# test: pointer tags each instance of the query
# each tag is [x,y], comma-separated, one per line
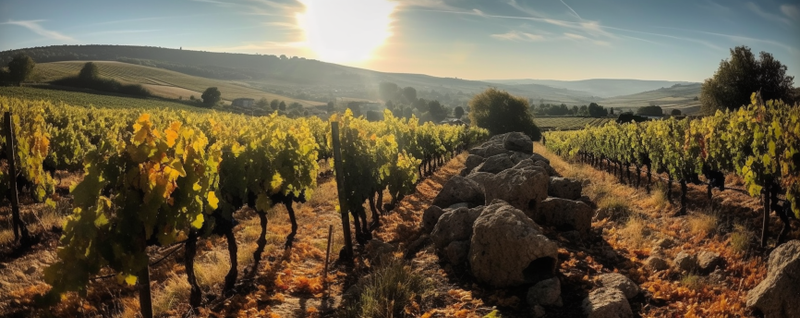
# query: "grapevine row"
[759,142]
[165,176]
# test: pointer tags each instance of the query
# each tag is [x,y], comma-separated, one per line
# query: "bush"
[500,112]
[650,111]
[211,96]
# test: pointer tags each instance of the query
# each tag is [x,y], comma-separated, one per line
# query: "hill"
[677,96]
[161,82]
[290,76]
[599,87]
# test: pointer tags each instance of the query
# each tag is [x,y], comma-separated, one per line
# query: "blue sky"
[472,39]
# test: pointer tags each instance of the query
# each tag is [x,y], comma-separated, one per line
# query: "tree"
[282,106]
[675,112]
[263,103]
[653,110]
[597,110]
[20,68]
[388,91]
[410,95]
[437,111]
[211,96]
[740,76]
[331,108]
[89,72]
[274,104]
[421,105]
[458,112]
[500,112]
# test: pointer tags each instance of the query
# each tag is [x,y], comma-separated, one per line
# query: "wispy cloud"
[36,27]
[766,15]
[520,36]
[740,39]
[791,11]
[681,38]
[570,9]
[713,6]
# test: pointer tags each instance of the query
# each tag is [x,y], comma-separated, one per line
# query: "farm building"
[243,102]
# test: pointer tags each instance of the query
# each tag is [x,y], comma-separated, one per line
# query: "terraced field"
[161,82]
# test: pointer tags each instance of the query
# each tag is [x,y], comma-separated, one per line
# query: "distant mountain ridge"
[599,87]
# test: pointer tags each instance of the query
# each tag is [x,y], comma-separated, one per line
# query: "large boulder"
[480,178]
[518,141]
[454,225]
[564,214]
[564,188]
[495,164]
[508,249]
[546,166]
[776,296]
[471,162]
[538,157]
[456,252]
[430,217]
[517,156]
[607,302]
[545,293]
[488,149]
[523,189]
[621,282]
[459,189]
[656,263]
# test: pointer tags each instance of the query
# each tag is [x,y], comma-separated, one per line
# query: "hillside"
[677,96]
[298,77]
[603,88]
[161,82]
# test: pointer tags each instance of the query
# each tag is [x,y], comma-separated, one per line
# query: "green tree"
[500,112]
[388,91]
[410,95]
[211,96]
[282,106]
[675,112]
[458,112]
[263,103]
[437,111]
[740,76]
[20,68]
[274,104]
[653,110]
[331,107]
[597,110]
[89,72]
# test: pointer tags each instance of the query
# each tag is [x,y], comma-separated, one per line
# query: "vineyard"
[759,143]
[568,123]
[157,177]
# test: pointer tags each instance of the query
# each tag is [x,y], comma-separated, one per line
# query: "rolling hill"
[174,72]
[161,82]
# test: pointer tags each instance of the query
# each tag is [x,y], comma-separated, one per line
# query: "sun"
[345,31]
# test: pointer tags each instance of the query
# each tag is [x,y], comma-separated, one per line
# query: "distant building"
[243,102]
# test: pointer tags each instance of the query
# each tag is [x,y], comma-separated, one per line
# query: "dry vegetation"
[289,283]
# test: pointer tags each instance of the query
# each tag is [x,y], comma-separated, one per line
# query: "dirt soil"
[289,282]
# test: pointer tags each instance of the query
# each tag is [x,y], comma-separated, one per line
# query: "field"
[161,82]
[678,97]
[91,100]
[568,123]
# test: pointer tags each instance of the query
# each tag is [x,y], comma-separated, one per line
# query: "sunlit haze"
[340,31]
[471,39]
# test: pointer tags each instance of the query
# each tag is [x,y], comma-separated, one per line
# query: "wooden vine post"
[347,255]
[21,234]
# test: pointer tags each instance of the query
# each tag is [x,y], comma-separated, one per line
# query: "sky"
[681,40]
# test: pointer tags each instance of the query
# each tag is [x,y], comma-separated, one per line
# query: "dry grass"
[131,309]
[211,268]
[6,237]
[175,290]
[658,198]
[692,281]
[386,292]
[701,224]
[740,239]
[636,231]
